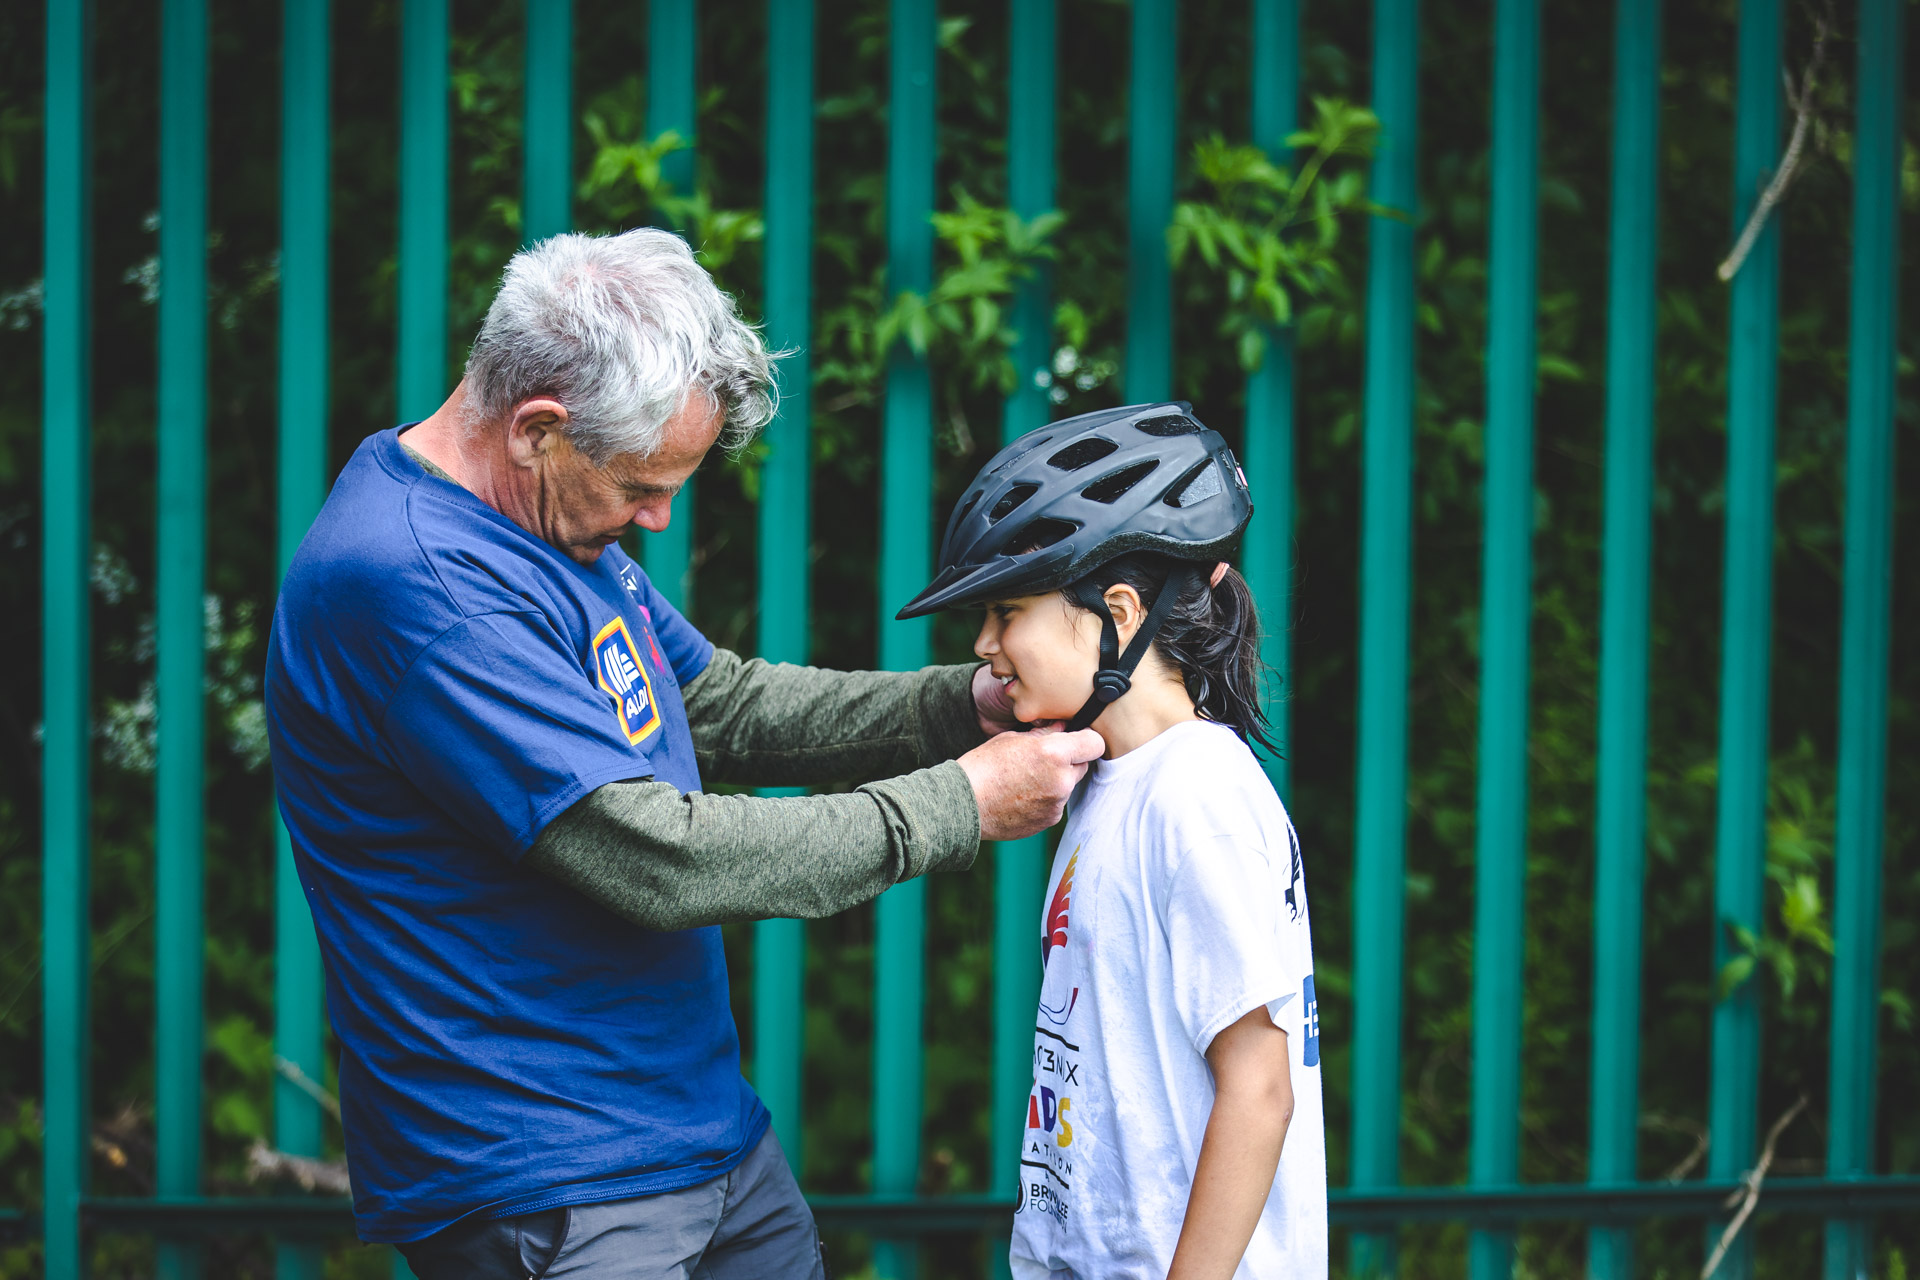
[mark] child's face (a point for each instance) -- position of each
(1046, 650)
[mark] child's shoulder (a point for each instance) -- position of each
(1206, 782)
(1202, 750)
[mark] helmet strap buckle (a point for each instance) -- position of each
(1115, 677)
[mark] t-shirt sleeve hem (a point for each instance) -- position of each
(698, 667)
(572, 794)
(1258, 995)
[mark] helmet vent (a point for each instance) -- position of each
(1196, 486)
(1112, 488)
(1168, 424)
(1081, 453)
(1011, 499)
(1042, 533)
(972, 500)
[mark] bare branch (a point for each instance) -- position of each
(264, 1164)
(290, 1072)
(1691, 1128)
(1802, 103)
(1748, 1195)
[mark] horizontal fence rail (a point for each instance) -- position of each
(1494, 1206)
(1374, 1205)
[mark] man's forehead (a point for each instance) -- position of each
(684, 443)
(655, 470)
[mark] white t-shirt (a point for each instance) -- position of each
(1176, 905)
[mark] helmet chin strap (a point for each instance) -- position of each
(1115, 676)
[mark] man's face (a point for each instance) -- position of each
(583, 509)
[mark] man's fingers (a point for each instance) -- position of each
(1022, 781)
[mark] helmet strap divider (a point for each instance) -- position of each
(1115, 675)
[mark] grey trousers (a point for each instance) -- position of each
(751, 1224)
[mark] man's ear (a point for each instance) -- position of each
(534, 429)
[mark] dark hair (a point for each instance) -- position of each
(1212, 636)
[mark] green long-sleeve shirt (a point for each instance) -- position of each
(670, 861)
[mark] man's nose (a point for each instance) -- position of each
(654, 515)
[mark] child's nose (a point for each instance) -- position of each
(986, 644)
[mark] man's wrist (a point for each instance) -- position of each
(941, 818)
(949, 720)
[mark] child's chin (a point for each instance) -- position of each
(1030, 714)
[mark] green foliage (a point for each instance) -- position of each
(964, 319)
(1798, 941)
(717, 235)
(1269, 233)
(1249, 257)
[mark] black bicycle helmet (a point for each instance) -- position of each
(1058, 503)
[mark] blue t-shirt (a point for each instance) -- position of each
(440, 685)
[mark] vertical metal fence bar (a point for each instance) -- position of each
(786, 563)
(671, 43)
(1506, 617)
(66, 533)
(1621, 787)
(546, 208)
(1386, 575)
(671, 33)
(1031, 115)
(1747, 617)
(1267, 556)
(1860, 818)
(1019, 866)
(304, 194)
(906, 555)
(180, 619)
(424, 148)
(1153, 126)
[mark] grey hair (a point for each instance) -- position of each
(621, 330)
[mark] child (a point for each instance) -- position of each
(1174, 1127)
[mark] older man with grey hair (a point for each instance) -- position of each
(490, 737)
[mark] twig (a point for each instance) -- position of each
(1698, 1132)
(1749, 1193)
(962, 429)
(266, 1164)
(1803, 116)
(290, 1072)
(846, 400)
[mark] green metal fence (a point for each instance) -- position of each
(1374, 1203)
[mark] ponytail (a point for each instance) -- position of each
(1212, 636)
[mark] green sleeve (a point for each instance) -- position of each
(763, 724)
(669, 861)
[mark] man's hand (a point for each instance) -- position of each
(1021, 780)
(991, 703)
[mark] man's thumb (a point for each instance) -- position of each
(1083, 746)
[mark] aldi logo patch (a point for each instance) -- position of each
(621, 676)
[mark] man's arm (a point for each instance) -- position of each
(765, 724)
(668, 861)
(665, 861)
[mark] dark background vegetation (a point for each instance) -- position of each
(1455, 75)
